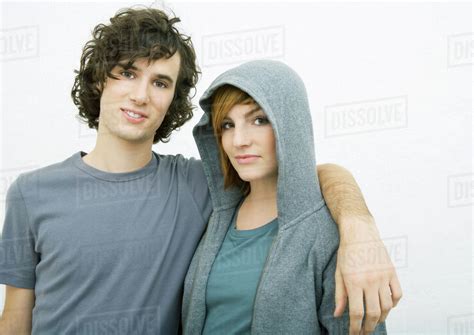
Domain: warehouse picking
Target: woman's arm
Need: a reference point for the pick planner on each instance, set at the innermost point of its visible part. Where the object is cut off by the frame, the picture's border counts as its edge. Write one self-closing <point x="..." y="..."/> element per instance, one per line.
<point x="357" y="278"/>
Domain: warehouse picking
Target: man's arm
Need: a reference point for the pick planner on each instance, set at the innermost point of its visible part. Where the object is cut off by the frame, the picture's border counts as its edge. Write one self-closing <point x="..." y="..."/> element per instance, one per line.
<point x="16" y="317"/>
<point x="357" y="278"/>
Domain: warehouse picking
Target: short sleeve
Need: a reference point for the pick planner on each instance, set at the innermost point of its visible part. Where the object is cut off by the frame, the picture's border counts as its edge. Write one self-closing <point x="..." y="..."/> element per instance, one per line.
<point x="18" y="258"/>
<point x="197" y="182"/>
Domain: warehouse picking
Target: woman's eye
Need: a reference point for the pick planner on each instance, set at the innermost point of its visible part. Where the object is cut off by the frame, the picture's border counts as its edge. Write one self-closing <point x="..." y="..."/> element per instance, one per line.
<point x="261" y="120"/>
<point x="226" y="125"/>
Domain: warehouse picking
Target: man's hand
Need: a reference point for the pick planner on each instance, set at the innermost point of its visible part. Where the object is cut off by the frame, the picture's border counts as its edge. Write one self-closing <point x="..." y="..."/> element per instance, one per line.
<point x="365" y="275"/>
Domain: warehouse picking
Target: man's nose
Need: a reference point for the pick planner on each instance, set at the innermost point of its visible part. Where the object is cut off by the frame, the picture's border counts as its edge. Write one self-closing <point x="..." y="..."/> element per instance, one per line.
<point x="139" y="94"/>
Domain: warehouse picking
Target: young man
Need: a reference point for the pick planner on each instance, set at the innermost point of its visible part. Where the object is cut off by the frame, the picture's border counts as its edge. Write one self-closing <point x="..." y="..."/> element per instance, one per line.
<point x="100" y="243"/>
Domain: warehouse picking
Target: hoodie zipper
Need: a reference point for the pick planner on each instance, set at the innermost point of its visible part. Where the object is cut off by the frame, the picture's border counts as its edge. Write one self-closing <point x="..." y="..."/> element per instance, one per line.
<point x="263" y="276"/>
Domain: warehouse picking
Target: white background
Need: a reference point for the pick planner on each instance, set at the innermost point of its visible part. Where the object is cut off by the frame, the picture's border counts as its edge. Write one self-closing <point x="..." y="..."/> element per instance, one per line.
<point x="415" y="169"/>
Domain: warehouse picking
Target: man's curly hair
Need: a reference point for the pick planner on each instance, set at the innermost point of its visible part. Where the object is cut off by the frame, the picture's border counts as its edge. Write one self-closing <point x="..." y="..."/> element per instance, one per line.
<point x="135" y="33"/>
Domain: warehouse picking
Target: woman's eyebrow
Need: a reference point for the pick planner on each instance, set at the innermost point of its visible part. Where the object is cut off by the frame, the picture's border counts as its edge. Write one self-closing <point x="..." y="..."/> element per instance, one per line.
<point x="252" y="111"/>
<point x="246" y="114"/>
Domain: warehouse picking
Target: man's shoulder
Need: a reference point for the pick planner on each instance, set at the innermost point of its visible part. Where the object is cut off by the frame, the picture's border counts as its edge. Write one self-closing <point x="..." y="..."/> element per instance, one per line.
<point x="51" y="172"/>
<point x="179" y="161"/>
<point x="191" y="169"/>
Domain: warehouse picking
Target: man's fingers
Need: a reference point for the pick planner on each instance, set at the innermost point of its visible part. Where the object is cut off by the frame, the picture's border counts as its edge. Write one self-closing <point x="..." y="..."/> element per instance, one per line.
<point x="396" y="290"/>
<point x="356" y="311"/>
<point x="372" y="310"/>
<point x="386" y="303"/>
<point x="341" y="295"/>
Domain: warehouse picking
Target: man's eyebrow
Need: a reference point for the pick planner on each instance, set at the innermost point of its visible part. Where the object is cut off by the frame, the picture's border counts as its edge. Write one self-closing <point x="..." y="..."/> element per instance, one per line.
<point x="164" y="77"/>
<point x="127" y="66"/>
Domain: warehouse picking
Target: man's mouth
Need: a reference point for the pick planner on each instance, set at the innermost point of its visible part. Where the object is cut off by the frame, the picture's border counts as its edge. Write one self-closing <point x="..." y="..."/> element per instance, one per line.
<point x="133" y="116"/>
<point x="132" y="113"/>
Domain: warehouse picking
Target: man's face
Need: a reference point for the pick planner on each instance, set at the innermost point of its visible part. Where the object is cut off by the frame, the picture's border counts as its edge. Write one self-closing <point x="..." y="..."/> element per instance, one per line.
<point x="133" y="106"/>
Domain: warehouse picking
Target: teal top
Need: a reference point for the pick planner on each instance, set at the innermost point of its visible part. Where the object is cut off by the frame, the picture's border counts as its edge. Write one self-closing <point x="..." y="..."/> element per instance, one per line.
<point x="234" y="278"/>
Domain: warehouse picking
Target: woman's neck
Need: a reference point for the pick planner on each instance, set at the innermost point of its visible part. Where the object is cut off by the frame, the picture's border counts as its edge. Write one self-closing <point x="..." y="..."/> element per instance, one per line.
<point x="260" y="205"/>
<point x="263" y="191"/>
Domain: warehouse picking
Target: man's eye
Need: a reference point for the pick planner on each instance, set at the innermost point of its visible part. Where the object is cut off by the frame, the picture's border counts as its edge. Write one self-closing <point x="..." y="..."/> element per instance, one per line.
<point x="126" y="74"/>
<point x="160" y="84"/>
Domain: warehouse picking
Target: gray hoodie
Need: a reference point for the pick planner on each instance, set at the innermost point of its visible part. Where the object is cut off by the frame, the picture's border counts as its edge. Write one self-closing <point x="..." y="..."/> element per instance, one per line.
<point x="296" y="291"/>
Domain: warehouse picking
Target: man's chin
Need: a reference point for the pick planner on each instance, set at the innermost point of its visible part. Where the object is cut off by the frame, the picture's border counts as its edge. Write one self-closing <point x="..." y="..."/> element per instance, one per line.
<point x="133" y="136"/>
<point x="136" y="138"/>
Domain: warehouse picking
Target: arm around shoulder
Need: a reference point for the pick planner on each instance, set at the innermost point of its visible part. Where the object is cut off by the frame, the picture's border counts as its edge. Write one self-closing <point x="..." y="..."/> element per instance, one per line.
<point x="341" y="192"/>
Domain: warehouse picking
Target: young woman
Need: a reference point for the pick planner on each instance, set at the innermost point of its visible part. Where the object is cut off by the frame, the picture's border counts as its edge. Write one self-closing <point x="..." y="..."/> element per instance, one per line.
<point x="258" y="269"/>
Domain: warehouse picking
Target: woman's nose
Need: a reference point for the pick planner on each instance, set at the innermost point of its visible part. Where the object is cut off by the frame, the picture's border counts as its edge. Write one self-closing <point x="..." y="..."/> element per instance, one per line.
<point x="242" y="136"/>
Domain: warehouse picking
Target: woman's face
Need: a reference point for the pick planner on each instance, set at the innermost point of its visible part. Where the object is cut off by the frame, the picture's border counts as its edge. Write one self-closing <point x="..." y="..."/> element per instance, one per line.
<point x="248" y="140"/>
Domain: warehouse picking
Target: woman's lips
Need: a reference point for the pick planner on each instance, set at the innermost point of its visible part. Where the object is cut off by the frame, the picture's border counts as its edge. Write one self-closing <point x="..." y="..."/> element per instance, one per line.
<point x="246" y="159"/>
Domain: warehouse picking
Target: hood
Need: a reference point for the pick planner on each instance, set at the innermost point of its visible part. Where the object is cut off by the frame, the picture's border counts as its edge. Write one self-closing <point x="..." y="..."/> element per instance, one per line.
<point x="281" y="94"/>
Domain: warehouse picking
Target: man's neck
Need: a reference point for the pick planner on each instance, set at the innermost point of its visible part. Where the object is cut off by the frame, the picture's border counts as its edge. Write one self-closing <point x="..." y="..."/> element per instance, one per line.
<point x="119" y="156"/>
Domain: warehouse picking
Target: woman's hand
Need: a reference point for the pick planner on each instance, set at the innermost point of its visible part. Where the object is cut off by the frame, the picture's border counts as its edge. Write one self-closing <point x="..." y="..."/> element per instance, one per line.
<point x="365" y="275"/>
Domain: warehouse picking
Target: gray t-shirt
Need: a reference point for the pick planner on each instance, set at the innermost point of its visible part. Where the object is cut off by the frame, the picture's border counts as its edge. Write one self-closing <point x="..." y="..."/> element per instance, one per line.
<point x="106" y="253"/>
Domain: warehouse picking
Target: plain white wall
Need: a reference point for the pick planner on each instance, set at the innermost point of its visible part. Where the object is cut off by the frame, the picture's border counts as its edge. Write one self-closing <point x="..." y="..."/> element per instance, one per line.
<point x="390" y="88"/>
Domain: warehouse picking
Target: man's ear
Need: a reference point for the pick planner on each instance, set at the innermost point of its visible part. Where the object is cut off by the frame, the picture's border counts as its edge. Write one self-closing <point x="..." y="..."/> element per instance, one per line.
<point x="100" y="84"/>
<point x="100" y="87"/>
